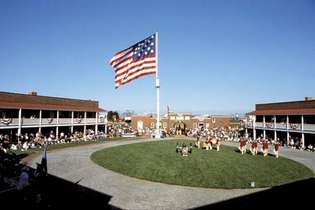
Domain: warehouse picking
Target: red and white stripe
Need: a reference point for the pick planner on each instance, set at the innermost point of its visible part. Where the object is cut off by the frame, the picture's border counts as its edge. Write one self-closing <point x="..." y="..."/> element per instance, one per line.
<point x="127" y="70"/>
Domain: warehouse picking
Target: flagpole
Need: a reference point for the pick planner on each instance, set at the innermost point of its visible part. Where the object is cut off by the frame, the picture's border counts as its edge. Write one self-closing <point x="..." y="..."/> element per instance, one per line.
<point x="157" y="85"/>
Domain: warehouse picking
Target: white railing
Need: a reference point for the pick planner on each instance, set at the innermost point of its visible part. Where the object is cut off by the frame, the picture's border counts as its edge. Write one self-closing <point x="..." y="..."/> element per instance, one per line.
<point x="309" y="127"/>
<point x="101" y="120"/>
<point x="295" y="126"/>
<point x="90" y="120"/>
<point x="29" y="121"/>
<point x="281" y="125"/>
<point x="4" y="122"/>
<point x="78" y="121"/>
<point x="269" y="125"/>
<point x="259" y="124"/>
<point x="65" y="120"/>
<point x="49" y="121"/>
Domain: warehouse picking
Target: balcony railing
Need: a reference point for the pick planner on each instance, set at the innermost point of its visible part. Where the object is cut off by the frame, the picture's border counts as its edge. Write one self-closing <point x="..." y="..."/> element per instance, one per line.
<point x="78" y="121"/>
<point x="281" y="125"/>
<point x="65" y="120"/>
<point x="90" y="120"/>
<point x="9" y="122"/>
<point x="30" y="121"/>
<point x="259" y="124"/>
<point x="269" y="125"/>
<point x="295" y="126"/>
<point x="309" y="127"/>
<point x="4" y="122"/>
<point x="49" y="121"/>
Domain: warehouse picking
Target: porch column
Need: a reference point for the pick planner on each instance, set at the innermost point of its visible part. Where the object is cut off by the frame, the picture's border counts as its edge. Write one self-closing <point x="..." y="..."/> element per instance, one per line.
<point x="105" y="122"/>
<point x="254" y="127"/>
<point x="40" y="122"/>
<point x="72" y="120"/>
<point x="275" y="127"/>
<point x="264" y="126"/>
<point x="96" y="123"/>
<point x="84" y="129"/>
<point x="288" y="135"/>
<point x="302" y="128"/>
<point x="57" y="128"/>
<point x="20" y="125"/>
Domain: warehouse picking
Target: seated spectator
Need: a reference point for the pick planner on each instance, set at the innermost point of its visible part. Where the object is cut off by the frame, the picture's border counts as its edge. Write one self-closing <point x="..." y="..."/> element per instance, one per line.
<point x="23" y="179"/>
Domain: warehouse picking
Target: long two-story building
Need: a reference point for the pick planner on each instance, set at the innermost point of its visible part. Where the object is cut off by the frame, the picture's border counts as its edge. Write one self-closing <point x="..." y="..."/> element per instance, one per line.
<point x="31" y="113"/>
<point x="284" y="120"/>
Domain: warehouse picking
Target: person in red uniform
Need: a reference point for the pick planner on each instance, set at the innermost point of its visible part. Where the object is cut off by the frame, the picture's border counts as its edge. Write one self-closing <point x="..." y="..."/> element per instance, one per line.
<point x="254" y="148"/>
<point x="265" y="147"/>
<point x="242" y="145"/>
<point x="207" y="144"/>
<point x="276" y="149"/>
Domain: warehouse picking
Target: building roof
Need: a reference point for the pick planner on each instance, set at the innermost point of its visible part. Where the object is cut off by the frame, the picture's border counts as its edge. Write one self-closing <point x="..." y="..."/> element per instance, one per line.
<point x="33" y="101"/>
<point x="284" y="112"/>
<point x="306" y="107"/>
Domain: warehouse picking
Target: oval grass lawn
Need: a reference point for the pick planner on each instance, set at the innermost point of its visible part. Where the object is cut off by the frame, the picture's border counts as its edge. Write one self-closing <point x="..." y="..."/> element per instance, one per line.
<point x="158" y="161"/>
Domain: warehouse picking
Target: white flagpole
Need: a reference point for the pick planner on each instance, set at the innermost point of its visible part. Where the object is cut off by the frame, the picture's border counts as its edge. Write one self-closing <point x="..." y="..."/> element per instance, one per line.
<point x="157" y="82"/>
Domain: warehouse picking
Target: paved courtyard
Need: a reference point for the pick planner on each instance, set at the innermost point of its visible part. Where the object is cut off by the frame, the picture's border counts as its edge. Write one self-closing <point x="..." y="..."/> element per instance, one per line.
<point x="74" y="164"/>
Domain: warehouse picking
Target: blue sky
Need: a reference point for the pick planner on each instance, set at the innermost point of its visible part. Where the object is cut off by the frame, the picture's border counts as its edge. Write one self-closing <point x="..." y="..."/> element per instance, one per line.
<point x="214" y="56"/>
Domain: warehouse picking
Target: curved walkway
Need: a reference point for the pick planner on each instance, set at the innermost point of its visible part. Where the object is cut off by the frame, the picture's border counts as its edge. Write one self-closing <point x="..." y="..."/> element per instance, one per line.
<point x="74" y="164"/>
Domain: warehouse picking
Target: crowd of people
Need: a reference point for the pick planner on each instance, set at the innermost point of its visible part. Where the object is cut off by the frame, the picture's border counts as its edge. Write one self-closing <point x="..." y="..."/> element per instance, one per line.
<point x="31" y="140"/>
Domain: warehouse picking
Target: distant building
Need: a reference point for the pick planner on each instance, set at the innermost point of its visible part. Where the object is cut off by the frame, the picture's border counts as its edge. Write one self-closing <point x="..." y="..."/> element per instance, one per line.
<point x="180" y="121"/>
<point x="30" y="113"/>
<point x="284" y="120"/>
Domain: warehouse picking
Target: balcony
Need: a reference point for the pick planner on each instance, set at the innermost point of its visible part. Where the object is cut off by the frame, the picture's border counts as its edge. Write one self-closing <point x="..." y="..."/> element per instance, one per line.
<point x="49" y="121"/>
<point x="30" y="121"/>
<point x="6" y="122"/>
<point x="281" y="126"/>
<point x="259" y="125"/>
<point x="295" y="126"/>
<point x="90" y="120"/>
<point x="269" y="125"/>
<point x="65" y="121"/>
<point x="309" y="127"/>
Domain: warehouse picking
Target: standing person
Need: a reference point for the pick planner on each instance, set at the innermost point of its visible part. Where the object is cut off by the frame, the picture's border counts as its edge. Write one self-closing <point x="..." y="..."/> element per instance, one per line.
<point x="265" y="147"/>
<point x="218" y="143"/>
<point x="276" y="148"/>
<point x="197" y="142"/>
<point x="254" y="147"/>
<point x="207" y="143"/>
<point x="242" y="145"/>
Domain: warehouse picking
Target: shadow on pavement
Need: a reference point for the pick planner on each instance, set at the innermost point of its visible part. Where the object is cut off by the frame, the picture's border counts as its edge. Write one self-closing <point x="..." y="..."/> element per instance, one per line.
<point x="54" y="192"/>
<point x="299" y="195"/>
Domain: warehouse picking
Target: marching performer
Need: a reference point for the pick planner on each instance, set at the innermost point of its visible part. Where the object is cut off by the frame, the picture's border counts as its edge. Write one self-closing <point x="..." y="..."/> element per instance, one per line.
<point x="207" y="144"/>
<point x="197" y="142"/>
<point x="242" y="147"/>
<point x="276" y="148"/>
<point x="265" y="147"/>
<point x="218" y="143"/>
<point x="254" y="147"/>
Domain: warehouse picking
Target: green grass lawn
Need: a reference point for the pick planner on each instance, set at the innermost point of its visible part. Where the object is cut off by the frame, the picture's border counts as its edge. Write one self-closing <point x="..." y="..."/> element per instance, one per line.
<point x="158" y="161"/>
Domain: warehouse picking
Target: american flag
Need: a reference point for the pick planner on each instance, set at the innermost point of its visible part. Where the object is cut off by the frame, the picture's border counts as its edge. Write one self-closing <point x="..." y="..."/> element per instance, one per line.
<point x="136" y="61"/>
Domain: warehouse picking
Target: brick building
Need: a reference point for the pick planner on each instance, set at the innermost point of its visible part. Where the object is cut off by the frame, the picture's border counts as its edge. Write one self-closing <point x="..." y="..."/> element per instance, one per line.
<point x="179" y="121"/>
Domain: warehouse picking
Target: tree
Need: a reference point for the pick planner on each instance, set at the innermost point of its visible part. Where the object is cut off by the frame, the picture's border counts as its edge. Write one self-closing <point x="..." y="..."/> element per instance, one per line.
<point x="112" y="116"/>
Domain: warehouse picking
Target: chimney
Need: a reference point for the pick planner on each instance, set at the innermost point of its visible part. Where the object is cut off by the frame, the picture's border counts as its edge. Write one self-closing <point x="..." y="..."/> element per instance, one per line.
<point x="32" y="93"/>
<point x="309" y="98"/>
